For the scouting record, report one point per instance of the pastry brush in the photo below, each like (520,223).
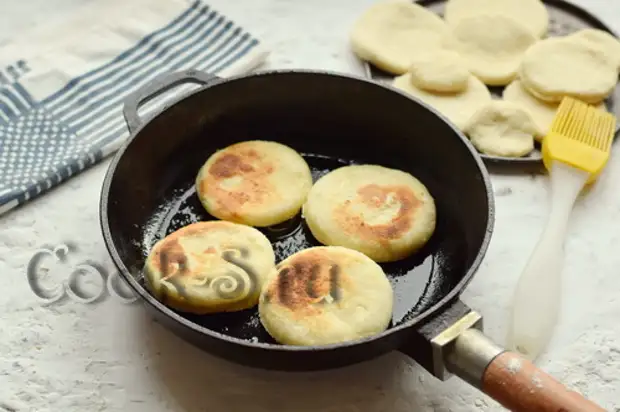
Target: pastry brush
(575,151)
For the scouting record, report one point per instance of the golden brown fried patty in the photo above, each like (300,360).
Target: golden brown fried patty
(326,294)
(258,183)
(208,267)
(384,213)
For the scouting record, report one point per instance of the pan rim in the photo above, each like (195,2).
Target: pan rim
(149,299)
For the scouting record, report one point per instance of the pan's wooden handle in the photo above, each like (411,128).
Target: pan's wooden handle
(519,385)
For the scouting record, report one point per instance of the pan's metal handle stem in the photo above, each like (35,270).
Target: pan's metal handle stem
(157,87)
(469,356)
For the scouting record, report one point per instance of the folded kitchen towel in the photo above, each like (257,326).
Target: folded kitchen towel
(62,86)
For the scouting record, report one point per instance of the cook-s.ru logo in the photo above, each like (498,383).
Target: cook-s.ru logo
(38,274)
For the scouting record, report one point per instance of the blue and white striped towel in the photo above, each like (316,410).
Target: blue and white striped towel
(62,88)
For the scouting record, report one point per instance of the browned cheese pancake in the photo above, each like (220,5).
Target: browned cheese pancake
(387,214)
(257,183)
(209,267)
(324,295)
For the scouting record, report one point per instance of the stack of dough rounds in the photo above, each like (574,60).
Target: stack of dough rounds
(541,112)
(492,46)
(566,66)
(257,183)
(385,213)
(440,71)
(484,44)
(458,107)
(531,13)
(326,295)
(210,267)
(502,128)
(391,32)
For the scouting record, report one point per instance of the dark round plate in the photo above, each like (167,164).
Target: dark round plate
(564,18)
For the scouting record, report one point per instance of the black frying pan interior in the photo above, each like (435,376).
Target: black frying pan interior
(333,123)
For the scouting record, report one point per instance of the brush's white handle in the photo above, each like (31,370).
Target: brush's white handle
(537,297)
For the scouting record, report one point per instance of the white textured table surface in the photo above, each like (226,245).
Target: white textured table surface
(73,357)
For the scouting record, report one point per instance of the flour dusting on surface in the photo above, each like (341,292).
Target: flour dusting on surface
(536,381)
(109,356)
(514,366)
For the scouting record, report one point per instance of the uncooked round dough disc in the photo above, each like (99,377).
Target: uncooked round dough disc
(209,267)
(502,128)
(257,183)
(601,38)
(326,295)
(457,107)
(541,112)
(492,46)
(559,66)
(387,214)
(390,32)
(439,71)
(532,13)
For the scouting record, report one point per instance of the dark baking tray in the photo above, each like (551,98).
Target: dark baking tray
(564,18)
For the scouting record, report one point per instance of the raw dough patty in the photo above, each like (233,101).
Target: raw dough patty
(532,13)
(557,67)
(391,32)
(541,112)
(502,128)
(257,183)
(439,71)
(492,46)
(209,267)
(384,213)
(602,39)
(325,295)
(457,107)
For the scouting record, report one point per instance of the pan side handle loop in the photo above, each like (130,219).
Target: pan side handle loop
(159,85)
